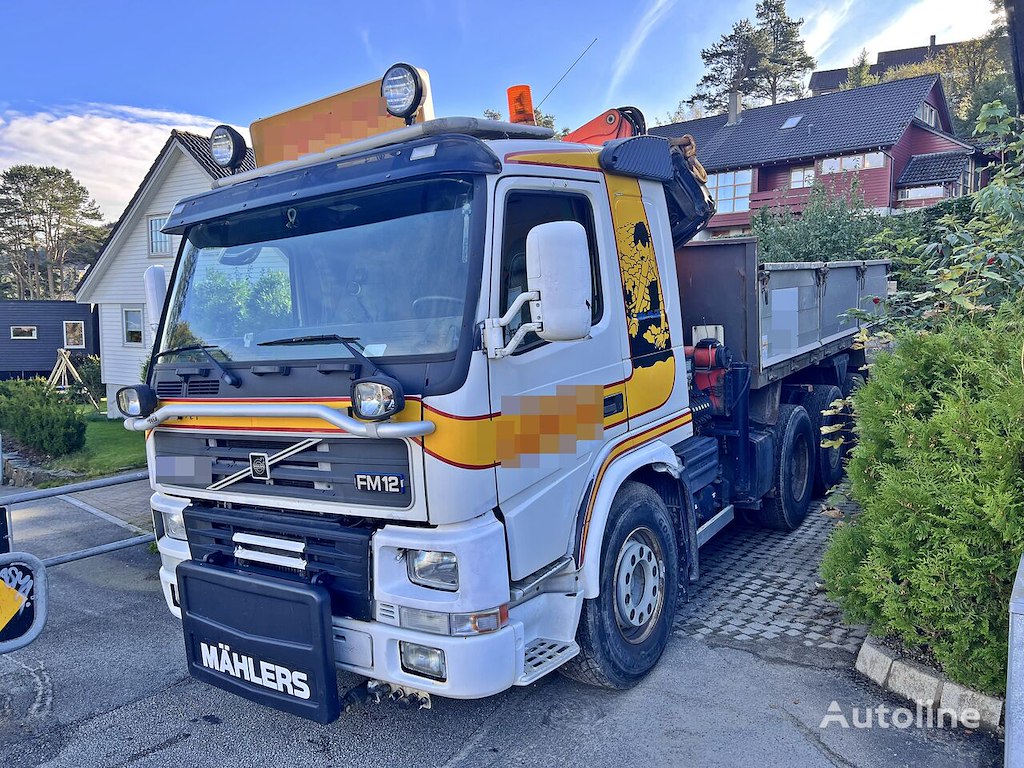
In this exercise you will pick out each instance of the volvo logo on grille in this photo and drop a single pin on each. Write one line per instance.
(259, 466)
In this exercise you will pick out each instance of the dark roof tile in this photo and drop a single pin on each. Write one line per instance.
(199, 147)
(844, 121)
(934, 168)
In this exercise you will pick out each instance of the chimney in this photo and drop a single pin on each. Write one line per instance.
(931, 43)
(735, 108)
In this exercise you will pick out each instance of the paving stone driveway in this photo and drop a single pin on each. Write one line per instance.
(758, 585)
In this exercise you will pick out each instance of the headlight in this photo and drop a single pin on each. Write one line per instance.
(437, 570)
(174, 525)
(139, 400)
(423, 660)
(227, 147)
(377, 398)
(402, 90)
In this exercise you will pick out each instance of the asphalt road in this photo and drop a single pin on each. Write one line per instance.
(106, 685)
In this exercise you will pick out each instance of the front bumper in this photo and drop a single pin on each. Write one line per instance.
(477, 666)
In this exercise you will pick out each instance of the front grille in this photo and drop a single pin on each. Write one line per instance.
(337, 555)
(190, 387)
(202, 387)
(169, 389)
(325, 471)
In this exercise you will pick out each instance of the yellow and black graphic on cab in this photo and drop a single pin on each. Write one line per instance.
(646, 321)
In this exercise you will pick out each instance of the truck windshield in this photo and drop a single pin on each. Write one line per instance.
(387, 265)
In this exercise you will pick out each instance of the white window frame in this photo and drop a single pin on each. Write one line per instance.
(801, 177)
(727, 181)
(162, 246)
(926, 113)
(862, 161)
(34, 336)
(923, 193)
(124, 327)
(80, 324)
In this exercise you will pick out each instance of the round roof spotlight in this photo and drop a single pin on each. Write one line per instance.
(227, 147)
(402, 91)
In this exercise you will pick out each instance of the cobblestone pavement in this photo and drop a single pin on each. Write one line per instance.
(758, 585)
(128, 502)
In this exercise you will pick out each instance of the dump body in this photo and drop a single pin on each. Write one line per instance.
(779, 317)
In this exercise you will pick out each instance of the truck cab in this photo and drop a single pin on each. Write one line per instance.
(422, 409)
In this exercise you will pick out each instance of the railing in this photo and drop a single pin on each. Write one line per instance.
(794, 199)
(1014, 750)
(23, 578)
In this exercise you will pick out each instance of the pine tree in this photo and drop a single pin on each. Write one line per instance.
(860, 73)
(785, 60)
(731, 65)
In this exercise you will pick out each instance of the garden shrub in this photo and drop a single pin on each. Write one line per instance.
(40, 418)
(834, 225)
(939, 474)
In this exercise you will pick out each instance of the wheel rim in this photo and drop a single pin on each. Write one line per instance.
(639, 585)
(800, 467)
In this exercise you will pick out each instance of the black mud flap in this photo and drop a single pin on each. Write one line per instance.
(266, 639)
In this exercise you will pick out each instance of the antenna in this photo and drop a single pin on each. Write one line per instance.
(567, 72)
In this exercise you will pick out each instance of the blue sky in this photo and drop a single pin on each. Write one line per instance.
(95, 87)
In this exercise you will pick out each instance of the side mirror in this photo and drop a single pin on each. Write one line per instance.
(156, 287)
(558, 269)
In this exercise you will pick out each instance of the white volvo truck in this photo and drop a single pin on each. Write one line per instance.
(451, 407)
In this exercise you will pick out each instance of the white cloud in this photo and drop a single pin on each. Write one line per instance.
(624, 61)
(822, 23)
(107, 147)
(949, 20)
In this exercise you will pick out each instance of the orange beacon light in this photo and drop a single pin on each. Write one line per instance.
(520, 105)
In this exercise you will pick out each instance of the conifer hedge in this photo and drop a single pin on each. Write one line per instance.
(40, 418)
(939, 474)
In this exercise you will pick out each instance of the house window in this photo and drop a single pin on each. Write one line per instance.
(731, 190)
(922, 193)
(858, 162)
(792, 122)
(132, 325)
(159, 243)
(74, 334)
(24, 332)
(801, 178)
(926, 113)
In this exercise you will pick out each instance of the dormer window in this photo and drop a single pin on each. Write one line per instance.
(792, 122)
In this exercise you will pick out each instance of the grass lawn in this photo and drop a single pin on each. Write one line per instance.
(109, 447)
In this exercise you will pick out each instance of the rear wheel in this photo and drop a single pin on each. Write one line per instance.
(828, 461)
(624, 630)
(786, 507)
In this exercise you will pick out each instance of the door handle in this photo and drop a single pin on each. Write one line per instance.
(613, 404)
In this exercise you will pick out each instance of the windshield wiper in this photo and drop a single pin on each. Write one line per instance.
(351, 343)
(226, 376)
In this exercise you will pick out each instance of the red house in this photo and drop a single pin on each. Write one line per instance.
(896, 136)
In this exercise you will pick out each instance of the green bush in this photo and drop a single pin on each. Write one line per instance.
(834, 226)
(40, 418)
(938, 474)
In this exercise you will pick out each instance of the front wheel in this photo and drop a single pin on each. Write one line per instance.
(624, 630)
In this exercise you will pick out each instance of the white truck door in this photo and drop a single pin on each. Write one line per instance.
(559, 401)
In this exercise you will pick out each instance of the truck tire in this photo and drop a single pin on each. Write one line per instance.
(851, 383)
(624, 630)
(828, 461)
(786, 506)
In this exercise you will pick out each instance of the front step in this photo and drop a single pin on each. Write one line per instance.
(543, 655)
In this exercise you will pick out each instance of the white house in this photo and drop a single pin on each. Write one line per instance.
(183, 167)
